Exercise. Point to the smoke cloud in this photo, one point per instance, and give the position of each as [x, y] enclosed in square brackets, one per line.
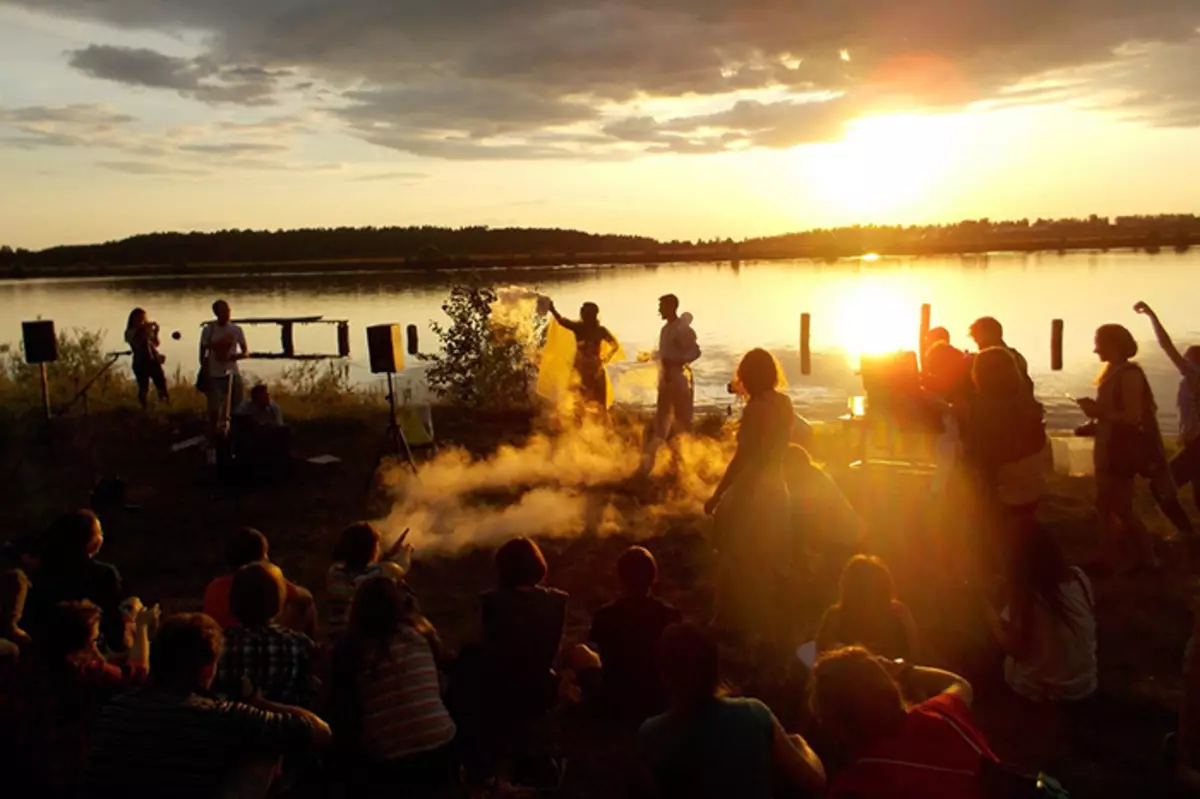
[579, 478]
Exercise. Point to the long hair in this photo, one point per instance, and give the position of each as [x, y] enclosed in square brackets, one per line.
[757, 373]
[383, 606]
[133, 316]
[867, 591]
[688, 664]
[1038, 569]
[1117, 342]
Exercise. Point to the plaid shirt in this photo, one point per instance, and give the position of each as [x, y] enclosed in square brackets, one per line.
[277, 662]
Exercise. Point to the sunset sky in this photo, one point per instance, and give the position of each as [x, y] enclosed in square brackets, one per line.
[672, 118]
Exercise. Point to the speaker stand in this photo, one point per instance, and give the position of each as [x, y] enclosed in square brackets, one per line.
[395, 443]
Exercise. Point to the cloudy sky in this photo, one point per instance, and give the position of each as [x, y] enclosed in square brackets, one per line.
[674, 118]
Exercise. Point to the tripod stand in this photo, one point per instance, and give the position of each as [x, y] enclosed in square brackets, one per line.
[395, 442]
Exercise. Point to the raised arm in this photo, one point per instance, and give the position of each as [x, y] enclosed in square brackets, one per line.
[1164, 339]
[796, 761]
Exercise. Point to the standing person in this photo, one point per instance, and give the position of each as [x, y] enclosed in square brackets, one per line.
[391, 728]
[594, 347]
[987, 333]
[896, 750]
[1047, 624]
[751, 505]
[677, 350]
[1185, 467]
[1128, 443]
[222, 345]
[708, 745]
[1004, 436]
[171, 739]
[142, 337]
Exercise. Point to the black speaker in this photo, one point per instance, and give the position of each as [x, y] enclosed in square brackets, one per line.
[383, 344]
[41, 345]
[414, 346]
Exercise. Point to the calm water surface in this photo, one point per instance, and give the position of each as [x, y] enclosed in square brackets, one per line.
[856, 306]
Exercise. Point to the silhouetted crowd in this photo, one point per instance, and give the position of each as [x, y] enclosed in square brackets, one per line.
[267, 692]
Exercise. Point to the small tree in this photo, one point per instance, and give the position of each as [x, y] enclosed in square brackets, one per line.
[485, 360]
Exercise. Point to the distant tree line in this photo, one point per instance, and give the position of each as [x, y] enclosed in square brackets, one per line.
[434, 246]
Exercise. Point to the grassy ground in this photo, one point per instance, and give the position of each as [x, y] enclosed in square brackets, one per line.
[170, 546]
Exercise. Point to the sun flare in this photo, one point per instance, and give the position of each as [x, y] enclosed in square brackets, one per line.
[885, 163]
[872, 318]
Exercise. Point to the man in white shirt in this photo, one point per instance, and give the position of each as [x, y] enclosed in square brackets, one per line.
[222, 345]
[677, 349]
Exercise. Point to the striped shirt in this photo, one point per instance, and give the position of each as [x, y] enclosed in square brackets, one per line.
[401, 700]
[152, 744]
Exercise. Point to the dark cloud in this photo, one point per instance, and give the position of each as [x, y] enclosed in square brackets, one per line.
[397, 176]
[197, 78]
[234, 148]
[478, 78]
[147, 168]
[79, 125]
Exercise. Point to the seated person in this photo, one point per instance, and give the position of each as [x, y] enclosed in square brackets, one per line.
[709, 745]
[391, 727]
[357, 559]
[69, 572]
[172, 739]
[893, 749]
[14, 589]
[53, 696]
[276, 662]
[1047, 626]
[626, 634]
[1183, 750]
[260, 436]
[260, 410]
[523, 624]
[823, 519]
[868, 613]
[250, 546]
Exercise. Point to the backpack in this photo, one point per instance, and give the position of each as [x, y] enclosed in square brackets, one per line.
[996, 780]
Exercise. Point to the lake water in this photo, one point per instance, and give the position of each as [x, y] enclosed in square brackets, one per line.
[856, 305]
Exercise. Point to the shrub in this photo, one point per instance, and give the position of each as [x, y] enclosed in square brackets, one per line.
[485, 360]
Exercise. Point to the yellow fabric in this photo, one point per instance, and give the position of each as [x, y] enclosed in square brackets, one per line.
[558, 363]
[556, 371]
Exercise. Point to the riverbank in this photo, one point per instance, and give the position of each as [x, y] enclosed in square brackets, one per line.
[743, 254]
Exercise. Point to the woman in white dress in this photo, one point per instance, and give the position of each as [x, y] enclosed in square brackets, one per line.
[752, 507]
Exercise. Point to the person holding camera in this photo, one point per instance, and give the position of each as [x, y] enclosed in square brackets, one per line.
[142, 337]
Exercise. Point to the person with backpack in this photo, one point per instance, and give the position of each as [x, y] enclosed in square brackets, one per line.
[895, 749]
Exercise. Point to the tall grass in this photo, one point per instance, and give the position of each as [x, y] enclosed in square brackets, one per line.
[304, 390]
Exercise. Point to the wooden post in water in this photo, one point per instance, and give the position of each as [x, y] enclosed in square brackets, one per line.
[805, 349]
[1056, 345]
[923, 337]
